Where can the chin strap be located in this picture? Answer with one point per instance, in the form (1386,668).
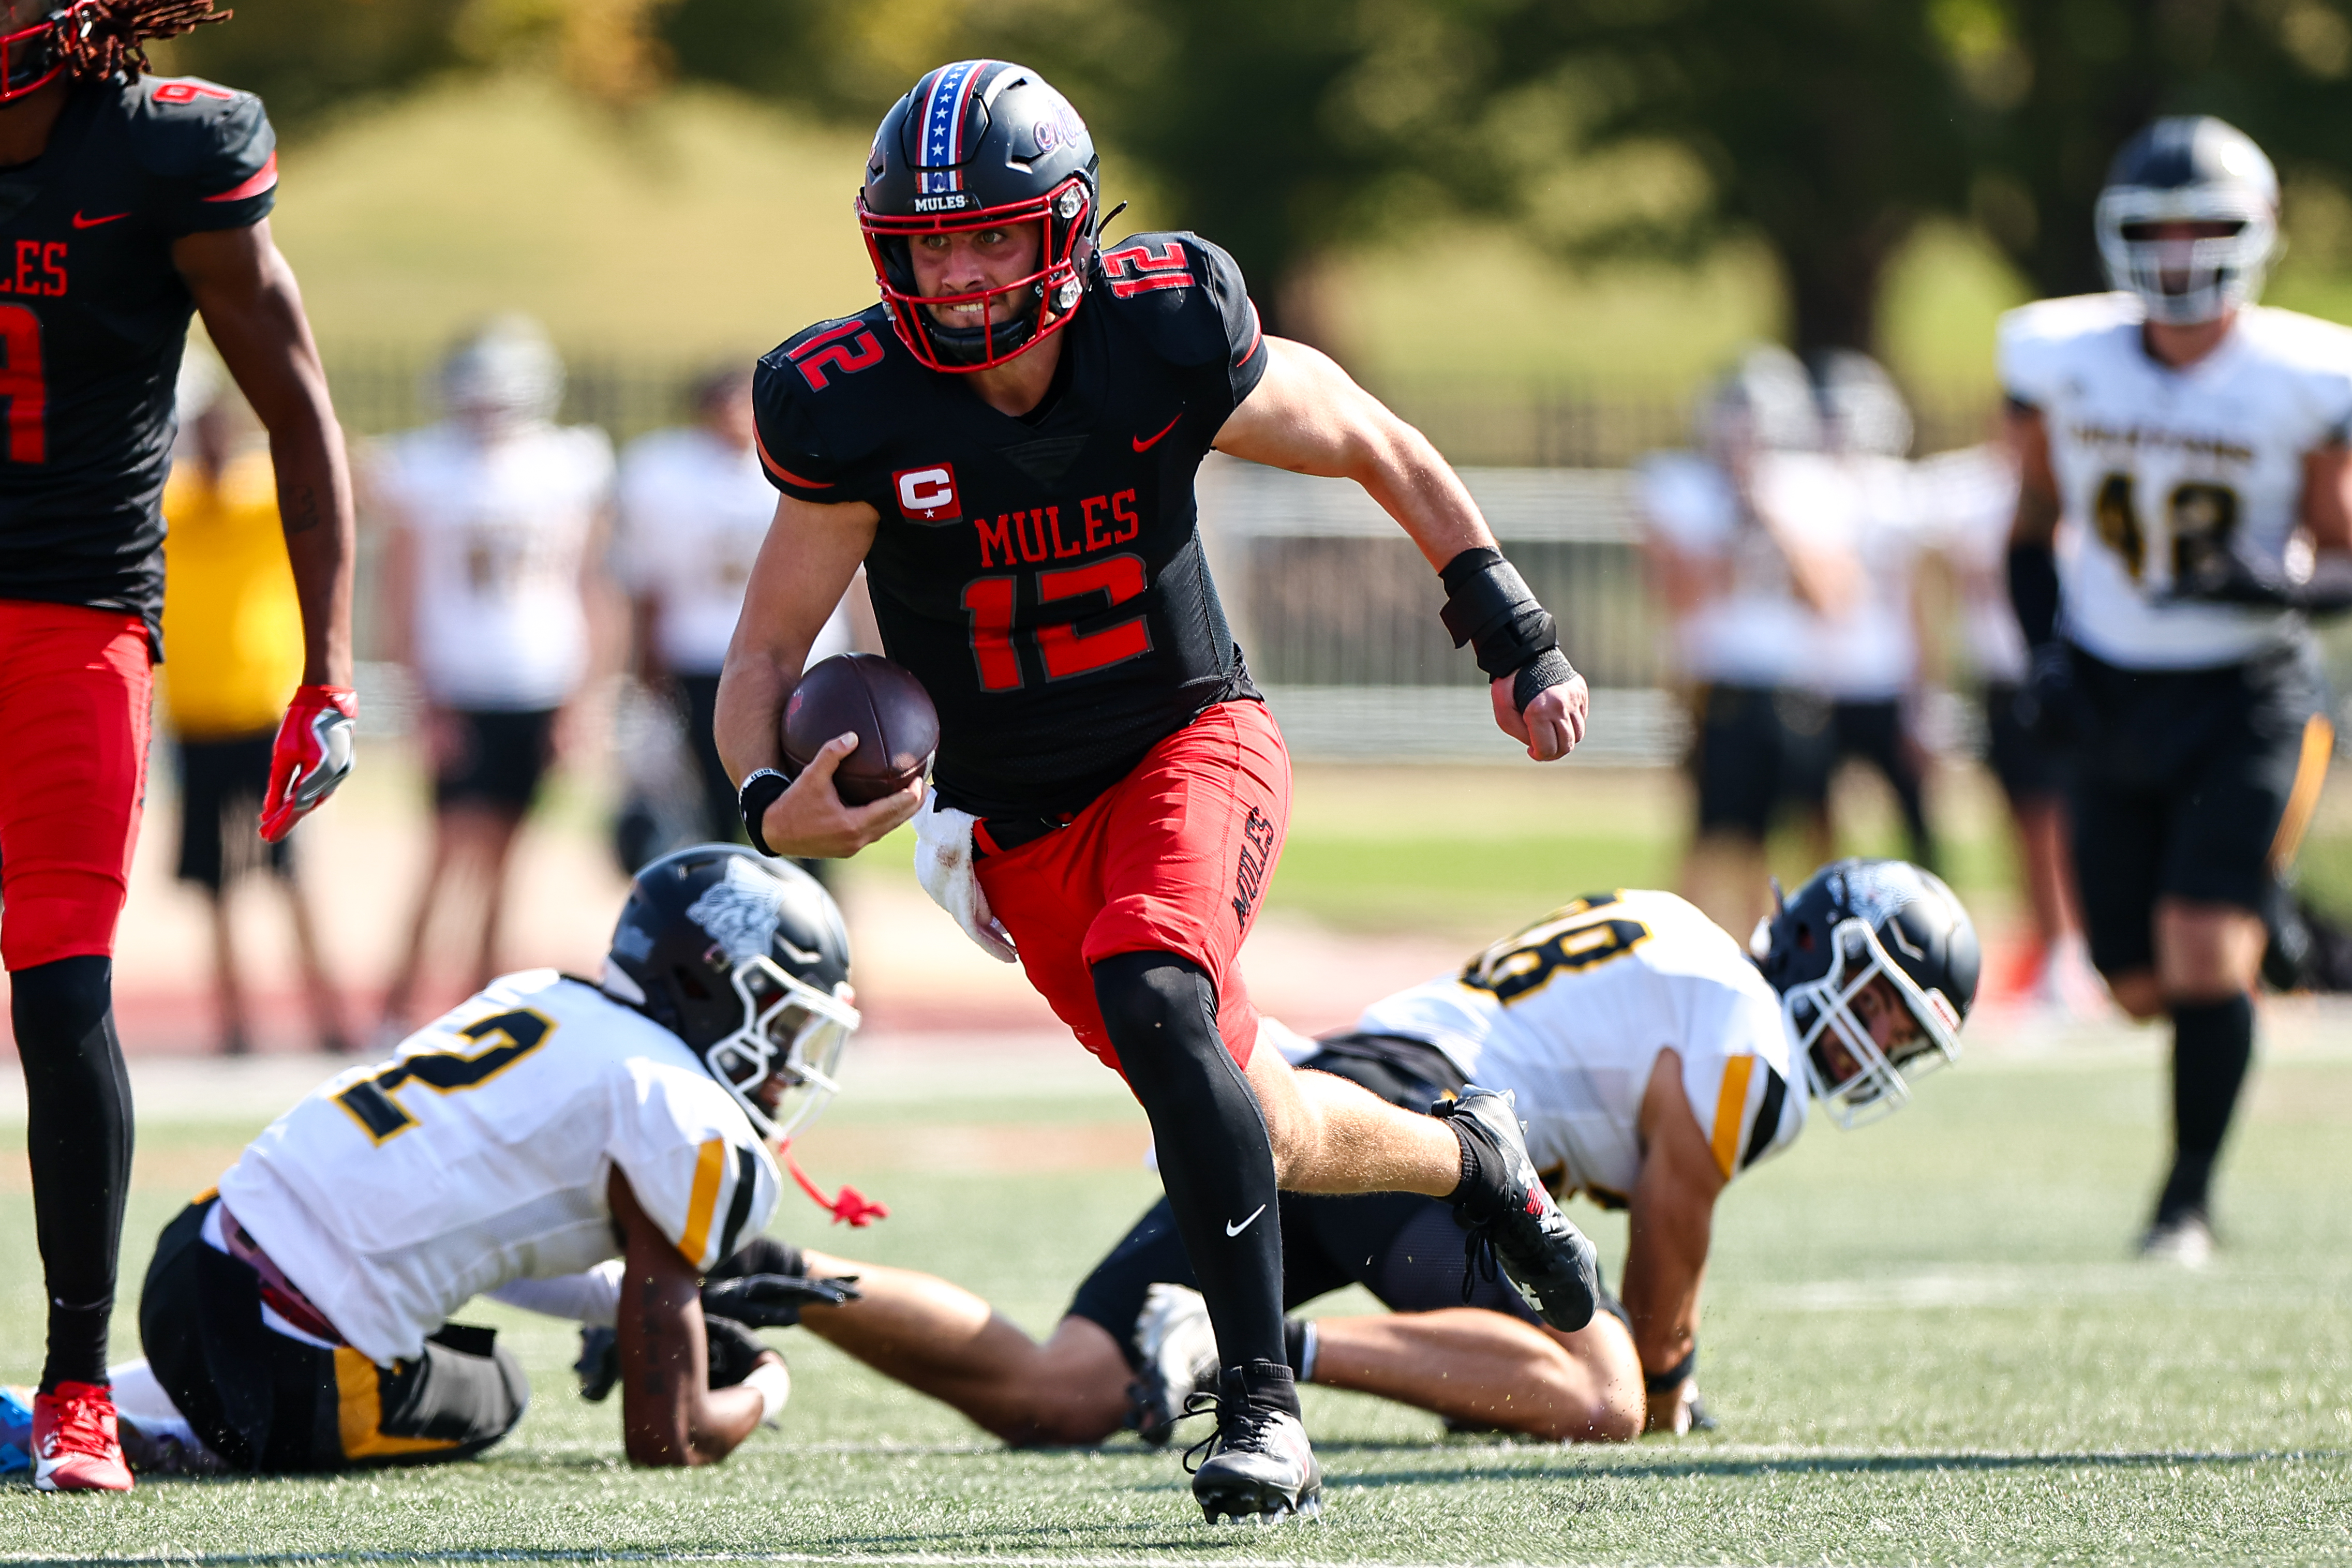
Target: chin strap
(850,1206)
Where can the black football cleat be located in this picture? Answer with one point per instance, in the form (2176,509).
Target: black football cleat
(1513,1221)
(1260,1466)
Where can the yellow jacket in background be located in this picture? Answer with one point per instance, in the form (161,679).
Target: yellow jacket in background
(232,624)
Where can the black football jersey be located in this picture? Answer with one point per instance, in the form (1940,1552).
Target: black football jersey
(93,318)
(1043,577)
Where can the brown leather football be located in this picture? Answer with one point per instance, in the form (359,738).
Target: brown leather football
(898,728)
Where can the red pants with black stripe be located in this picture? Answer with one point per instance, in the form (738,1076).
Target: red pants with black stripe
(75,692)
(1175,858)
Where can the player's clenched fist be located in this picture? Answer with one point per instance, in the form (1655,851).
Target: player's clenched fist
(314,754)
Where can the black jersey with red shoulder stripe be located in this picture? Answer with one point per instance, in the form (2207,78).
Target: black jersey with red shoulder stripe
(1044,576)
(93,319)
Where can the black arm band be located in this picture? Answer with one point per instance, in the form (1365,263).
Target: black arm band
(760,791)
(2033,591)
(1674,1376)
(1487,605)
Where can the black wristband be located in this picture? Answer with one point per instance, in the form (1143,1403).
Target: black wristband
(1488,606)
(2033,591)
(1674,1376)
(762,790)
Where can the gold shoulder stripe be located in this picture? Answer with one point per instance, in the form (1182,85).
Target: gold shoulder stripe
(704,1205)
(1730,1110)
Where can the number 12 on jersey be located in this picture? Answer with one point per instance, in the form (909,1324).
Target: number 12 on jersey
(990,604)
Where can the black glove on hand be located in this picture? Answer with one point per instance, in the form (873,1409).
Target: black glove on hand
(599,1366)
(734,1350)
(2049,704)
(774,1300)
(2218,575)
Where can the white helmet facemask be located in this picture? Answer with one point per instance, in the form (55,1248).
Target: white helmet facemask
(2183,282)
(790,1030)
(1821,1012)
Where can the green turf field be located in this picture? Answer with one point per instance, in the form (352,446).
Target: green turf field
(1923,1340)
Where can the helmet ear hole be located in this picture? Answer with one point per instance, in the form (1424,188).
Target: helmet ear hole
(691,984)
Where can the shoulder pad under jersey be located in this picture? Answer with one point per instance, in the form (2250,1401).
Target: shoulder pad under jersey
(1189,298)
(821,403)
(2036,342)
(209,148)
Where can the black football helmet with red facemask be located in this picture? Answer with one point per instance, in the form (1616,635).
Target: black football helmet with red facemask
(28,55)
(981,144)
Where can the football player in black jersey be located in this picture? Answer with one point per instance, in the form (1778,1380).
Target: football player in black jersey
(1008,442)
(127,203)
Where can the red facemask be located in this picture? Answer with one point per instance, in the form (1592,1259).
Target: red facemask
(1044,302)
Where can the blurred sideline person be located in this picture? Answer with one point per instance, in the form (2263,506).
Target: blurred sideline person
(297,1318)
(1656,1060)
(234,624)
(176,178)
(2173,437)
(1742,591)
(494,515)
(1009,440)
(1970,501)
(1867,654)
(693,507)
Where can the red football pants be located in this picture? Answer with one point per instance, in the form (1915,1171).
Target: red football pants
(75,689)
(1174,858)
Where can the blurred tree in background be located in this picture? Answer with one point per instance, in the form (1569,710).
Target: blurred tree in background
(1289,129)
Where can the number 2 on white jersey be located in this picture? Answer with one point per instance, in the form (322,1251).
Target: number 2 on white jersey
(516,1034)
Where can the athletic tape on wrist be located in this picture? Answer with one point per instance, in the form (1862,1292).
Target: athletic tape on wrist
(1489,606)
(774,1382)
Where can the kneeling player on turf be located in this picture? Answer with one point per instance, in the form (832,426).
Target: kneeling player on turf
(299,1317)
(1654,1061)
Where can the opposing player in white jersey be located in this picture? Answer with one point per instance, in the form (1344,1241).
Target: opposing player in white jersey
(299,1318)
(694,505)
(494,512)
(1742,591)
(1654,1060)
(2184,503)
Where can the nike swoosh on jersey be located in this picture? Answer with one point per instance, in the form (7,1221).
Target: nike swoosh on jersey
(1143,445)
(83,222)
(1232,1230)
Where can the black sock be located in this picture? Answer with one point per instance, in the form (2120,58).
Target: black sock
(1482,1175)
(77,1141)
(2212,1042)
(1260,1383)
(1298,1347)
(1216,1158)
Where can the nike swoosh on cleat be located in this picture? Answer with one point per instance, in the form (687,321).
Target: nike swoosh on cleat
(1232,1230)
(83,222)
(1143,445)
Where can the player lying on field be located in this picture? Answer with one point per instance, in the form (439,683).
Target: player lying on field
(1652,1057)
(297,1318)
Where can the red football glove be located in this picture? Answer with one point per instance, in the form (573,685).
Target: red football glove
(314,754)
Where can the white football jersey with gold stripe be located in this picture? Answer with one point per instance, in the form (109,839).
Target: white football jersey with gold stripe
(1571,1014)
(480,1153)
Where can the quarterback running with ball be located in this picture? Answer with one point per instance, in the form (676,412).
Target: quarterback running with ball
(2186,504)
(1008,444)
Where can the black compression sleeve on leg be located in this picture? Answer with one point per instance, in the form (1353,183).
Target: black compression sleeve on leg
(77,1141)
(1216,1158)
(2212,1042)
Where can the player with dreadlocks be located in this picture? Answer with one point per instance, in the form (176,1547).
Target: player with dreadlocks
(128,202)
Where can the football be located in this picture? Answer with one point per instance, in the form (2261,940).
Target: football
(898,728)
